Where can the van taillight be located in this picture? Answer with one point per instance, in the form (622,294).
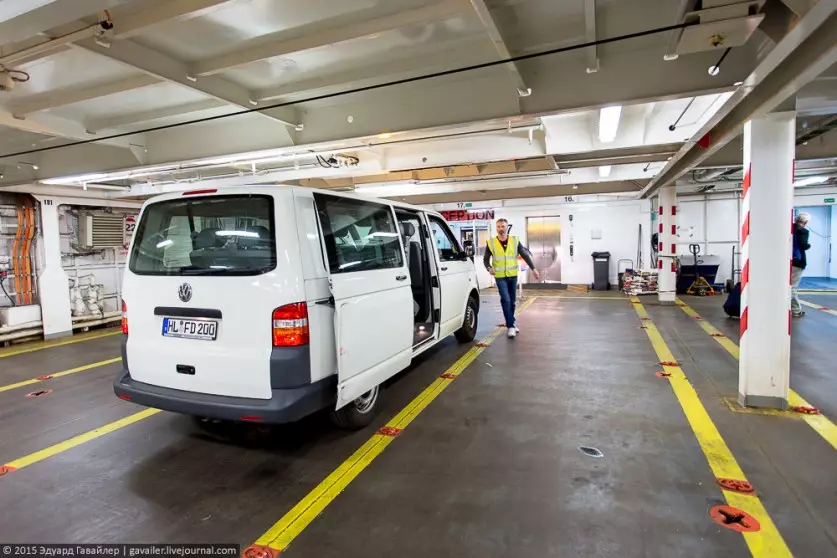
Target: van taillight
(290,325)
(124,318)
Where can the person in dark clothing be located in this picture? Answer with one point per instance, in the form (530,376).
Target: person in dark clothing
(500,259)
(800,260)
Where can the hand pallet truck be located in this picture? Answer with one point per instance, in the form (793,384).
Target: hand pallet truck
(699,286)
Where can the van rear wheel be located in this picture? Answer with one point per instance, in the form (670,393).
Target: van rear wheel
(468,331)
(360,412)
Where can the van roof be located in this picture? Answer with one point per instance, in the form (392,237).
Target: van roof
(272,189)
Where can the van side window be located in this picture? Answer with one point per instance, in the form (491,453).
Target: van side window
(447,246)
(359,235)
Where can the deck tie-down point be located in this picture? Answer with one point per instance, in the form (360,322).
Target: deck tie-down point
(734,485)
(807,410)
(718,335)
(390,431)
(733,518)
(590,452)
(448,376)
(483,345)
(663,374)
(44,377)
(259,551)
(39,393)
(6,469)
(669,363)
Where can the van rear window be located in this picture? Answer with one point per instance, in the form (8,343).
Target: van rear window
(216,235)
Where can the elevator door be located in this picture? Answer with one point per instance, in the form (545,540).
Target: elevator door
(544,241)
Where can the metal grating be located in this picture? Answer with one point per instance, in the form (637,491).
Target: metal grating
(107,230)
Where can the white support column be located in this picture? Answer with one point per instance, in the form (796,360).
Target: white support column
(53,288)
(666,265)
(766,220)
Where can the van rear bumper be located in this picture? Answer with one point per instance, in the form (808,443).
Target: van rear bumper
(286,405)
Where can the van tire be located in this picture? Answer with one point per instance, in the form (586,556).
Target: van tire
(468,331)
(360,413)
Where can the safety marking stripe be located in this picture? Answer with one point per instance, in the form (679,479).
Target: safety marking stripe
(767,542)
(59,374)
(61,447)
(818,307)
(40,345)
(284,531)
(820,423)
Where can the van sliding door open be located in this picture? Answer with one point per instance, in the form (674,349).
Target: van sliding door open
(370,284)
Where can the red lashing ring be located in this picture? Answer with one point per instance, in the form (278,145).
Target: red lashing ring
(44,377)
(258,551)
(807,410)
(669,363)
(447,376)
(390,431)
(6,469)
(735,519)
(663,374)
(733,485)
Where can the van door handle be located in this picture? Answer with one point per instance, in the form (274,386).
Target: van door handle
(444,269)
(401,278)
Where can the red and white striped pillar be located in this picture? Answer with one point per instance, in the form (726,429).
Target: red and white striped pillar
(766,225)
(666,263)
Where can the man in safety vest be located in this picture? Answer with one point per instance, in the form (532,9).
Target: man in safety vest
(504,250)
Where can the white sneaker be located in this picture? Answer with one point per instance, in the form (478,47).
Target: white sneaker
(512,332)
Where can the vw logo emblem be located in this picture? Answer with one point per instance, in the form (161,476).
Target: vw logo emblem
(185,292)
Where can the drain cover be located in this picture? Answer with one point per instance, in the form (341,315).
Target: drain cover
(733,518)
(590,452)
(39,393)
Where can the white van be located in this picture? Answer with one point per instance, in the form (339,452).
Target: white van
(267,304)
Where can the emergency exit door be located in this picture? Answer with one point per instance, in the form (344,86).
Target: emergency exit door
(543,238)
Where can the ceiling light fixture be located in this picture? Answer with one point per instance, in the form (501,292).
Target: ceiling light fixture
(609,123)
(604,171)
(808,181)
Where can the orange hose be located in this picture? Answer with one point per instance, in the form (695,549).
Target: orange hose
(16,255)
(26,254)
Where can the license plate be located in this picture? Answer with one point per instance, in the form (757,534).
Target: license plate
(205,330)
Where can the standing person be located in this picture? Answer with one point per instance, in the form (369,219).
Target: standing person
(800,260)
(503,250)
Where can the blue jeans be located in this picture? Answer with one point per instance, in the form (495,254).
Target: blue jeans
(508,294)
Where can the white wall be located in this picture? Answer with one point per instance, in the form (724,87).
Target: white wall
(618,222)
(832,268)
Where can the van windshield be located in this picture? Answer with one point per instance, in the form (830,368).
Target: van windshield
(217,235)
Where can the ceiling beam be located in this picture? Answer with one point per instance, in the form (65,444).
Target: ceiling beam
(496,37)
(151,62)
(591,53)
(686,6)
(128,21)
(477,194)
(62,97)
(59,127)
(110,122)
(327,32)
(468,51)
(809,49)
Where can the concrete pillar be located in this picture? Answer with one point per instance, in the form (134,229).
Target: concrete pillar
(766,235)
(53,287)
(667,215)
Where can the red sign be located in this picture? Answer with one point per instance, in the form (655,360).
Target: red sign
(462,215)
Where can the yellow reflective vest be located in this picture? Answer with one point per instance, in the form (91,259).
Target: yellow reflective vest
(504,261)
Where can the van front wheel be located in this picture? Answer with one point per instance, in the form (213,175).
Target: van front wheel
(468,331)
(360,412)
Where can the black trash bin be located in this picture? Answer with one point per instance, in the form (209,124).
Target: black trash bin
(601,271)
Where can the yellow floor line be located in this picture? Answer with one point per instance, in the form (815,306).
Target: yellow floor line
(767,542)
(284,531)
(820,423)
(59,374)
(77,441)
(818,307)
(41,345)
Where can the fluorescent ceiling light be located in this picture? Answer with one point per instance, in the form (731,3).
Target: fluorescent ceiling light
(811,180)
(609,123)
(604,171)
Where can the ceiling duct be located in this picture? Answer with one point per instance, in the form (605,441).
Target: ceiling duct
(719,24)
